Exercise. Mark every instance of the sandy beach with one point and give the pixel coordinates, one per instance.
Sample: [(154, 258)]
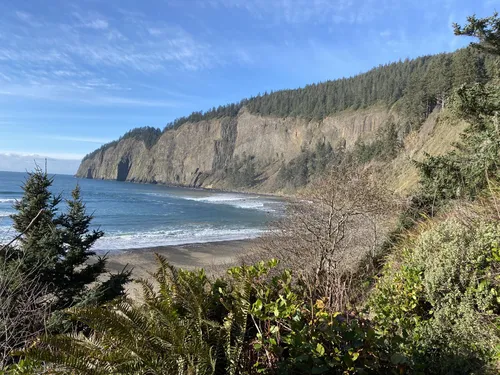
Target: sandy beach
[(211, 255)]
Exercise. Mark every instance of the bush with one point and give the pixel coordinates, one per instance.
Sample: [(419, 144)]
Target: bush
[(247, 322), (438, 304)]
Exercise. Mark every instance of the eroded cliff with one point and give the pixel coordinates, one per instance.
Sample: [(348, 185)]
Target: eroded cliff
[(198, 154)]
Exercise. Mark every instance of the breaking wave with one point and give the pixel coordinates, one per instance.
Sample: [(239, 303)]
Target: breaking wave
[(120, 241)]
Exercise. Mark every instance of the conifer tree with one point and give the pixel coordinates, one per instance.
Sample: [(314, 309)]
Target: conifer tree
[(59, 245)]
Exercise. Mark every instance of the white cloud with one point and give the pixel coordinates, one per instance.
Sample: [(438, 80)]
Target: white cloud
[(23, 16), (71, 61), (385, 33), (28, 19), (155, 31)]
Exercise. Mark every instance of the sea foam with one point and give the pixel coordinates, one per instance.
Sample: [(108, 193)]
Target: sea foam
[(7, 200), (119, 241), (240, 201)]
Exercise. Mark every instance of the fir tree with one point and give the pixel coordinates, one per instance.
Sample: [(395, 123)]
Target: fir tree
[(59, 245)]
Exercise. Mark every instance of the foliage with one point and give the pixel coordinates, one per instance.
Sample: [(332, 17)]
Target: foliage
[(48, 268), (438, 304), (23, 367), (58, 245), (295, 336), (246, 322), (241, 171), (300, 170), (487, 30), (385, 146), (465, 171)]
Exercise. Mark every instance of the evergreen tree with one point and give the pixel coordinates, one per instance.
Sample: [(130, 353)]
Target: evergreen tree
[(36, 219), (470, 167), (59, 245)]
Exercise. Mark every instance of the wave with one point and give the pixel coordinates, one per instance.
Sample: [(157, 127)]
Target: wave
[(5, 213), (7, 200), (121, 241), (247, 202)]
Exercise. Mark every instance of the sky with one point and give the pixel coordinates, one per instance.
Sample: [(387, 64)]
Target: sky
[(77, 74)]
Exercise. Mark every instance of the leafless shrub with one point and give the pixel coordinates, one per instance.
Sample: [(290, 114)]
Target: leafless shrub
[(23, 309), (324, 237)]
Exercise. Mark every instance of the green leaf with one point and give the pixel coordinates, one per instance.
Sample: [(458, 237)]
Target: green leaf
[(320, 349)]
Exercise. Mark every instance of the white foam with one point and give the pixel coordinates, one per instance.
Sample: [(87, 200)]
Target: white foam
[(240, 201), (5, 213), (120, 241), (7, 200)]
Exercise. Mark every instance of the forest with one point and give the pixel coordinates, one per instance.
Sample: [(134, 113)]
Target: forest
[(355, 279)]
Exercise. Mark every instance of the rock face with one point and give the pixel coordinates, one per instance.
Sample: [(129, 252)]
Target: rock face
[(196, 154)]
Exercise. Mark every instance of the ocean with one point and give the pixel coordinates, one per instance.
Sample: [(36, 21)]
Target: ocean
[(143, 215)]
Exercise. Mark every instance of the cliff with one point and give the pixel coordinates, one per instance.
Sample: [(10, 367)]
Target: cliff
[(285, 139), (198, 154)]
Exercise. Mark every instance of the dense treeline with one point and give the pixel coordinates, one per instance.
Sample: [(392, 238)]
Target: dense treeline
[(420, 85)]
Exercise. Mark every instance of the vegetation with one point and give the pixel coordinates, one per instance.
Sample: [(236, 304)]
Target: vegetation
[(241, 171), (433, 307), (438, 300), (385, 147), (147, 134), (47, 269), (243, 323), (301, 170)]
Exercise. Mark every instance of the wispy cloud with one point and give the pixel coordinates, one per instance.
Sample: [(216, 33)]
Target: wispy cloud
[(302, 11), (81, 139), (92, 21), (52, 155), (28, 19), (83, 58)]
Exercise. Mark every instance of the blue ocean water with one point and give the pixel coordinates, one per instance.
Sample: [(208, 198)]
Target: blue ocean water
[(142, 215)]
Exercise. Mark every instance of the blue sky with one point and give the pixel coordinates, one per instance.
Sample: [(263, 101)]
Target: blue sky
[(76, 74)]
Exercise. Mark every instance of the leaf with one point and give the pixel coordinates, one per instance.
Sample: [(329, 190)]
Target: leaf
[(320, 304), (257, 306), (320, 349), (398, 358)]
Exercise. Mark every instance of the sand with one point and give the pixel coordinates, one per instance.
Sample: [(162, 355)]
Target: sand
[(211, 256)]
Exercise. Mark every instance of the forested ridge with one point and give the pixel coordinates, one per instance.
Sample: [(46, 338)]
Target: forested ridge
[(354, 279), (417, 85)]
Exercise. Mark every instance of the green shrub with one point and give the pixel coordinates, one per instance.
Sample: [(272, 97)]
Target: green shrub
[(247, 322), (438, 306)]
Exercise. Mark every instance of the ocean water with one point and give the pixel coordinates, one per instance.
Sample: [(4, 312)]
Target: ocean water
[(142, 215)]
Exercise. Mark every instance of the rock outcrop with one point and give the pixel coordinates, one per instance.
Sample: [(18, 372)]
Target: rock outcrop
[(196, 154)]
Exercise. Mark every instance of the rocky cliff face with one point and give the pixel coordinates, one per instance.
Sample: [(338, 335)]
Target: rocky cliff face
[(196, 154)]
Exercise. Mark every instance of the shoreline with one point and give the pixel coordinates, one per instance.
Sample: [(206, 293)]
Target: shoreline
[(188, 256), (196, 188)]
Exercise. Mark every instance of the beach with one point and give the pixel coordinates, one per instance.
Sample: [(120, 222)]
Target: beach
[(213, 256)]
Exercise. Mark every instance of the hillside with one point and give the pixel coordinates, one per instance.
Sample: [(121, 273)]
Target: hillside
[(281, 140)]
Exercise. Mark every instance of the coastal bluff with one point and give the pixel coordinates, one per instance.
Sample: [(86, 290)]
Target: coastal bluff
[(197, 154)]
